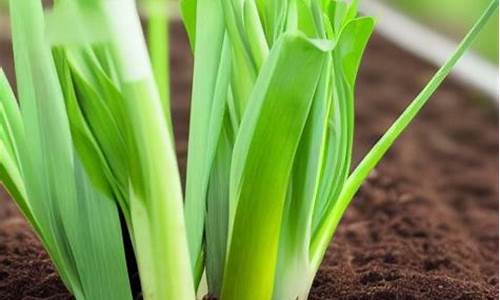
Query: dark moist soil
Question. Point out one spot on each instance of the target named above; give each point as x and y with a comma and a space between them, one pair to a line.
424, 226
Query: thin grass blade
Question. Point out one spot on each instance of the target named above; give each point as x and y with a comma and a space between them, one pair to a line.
331, 220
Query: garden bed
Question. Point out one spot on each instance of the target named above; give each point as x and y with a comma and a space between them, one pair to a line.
424, 226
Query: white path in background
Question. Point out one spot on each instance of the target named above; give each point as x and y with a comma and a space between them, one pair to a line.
433, 47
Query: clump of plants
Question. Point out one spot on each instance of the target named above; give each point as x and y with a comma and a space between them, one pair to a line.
270, 144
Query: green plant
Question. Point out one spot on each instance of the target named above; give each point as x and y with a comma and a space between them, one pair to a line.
274, 165
89, 97
270, 142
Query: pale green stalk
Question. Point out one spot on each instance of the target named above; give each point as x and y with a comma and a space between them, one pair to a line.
155, 191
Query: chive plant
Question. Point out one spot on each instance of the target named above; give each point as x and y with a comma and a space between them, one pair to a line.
270, 144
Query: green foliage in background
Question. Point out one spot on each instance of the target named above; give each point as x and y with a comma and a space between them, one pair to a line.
454, 20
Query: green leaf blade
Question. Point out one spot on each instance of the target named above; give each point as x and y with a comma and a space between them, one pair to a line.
262, 162
347, 55
210, 91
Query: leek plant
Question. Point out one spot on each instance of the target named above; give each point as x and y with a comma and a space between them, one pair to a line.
90, 142
271, 134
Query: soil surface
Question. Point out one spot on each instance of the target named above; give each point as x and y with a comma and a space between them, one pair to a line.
424, 226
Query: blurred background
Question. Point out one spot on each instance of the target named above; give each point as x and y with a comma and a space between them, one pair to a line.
453, 18
450, 17
449, 20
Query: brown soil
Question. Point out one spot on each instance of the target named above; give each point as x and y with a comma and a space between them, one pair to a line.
425, 226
